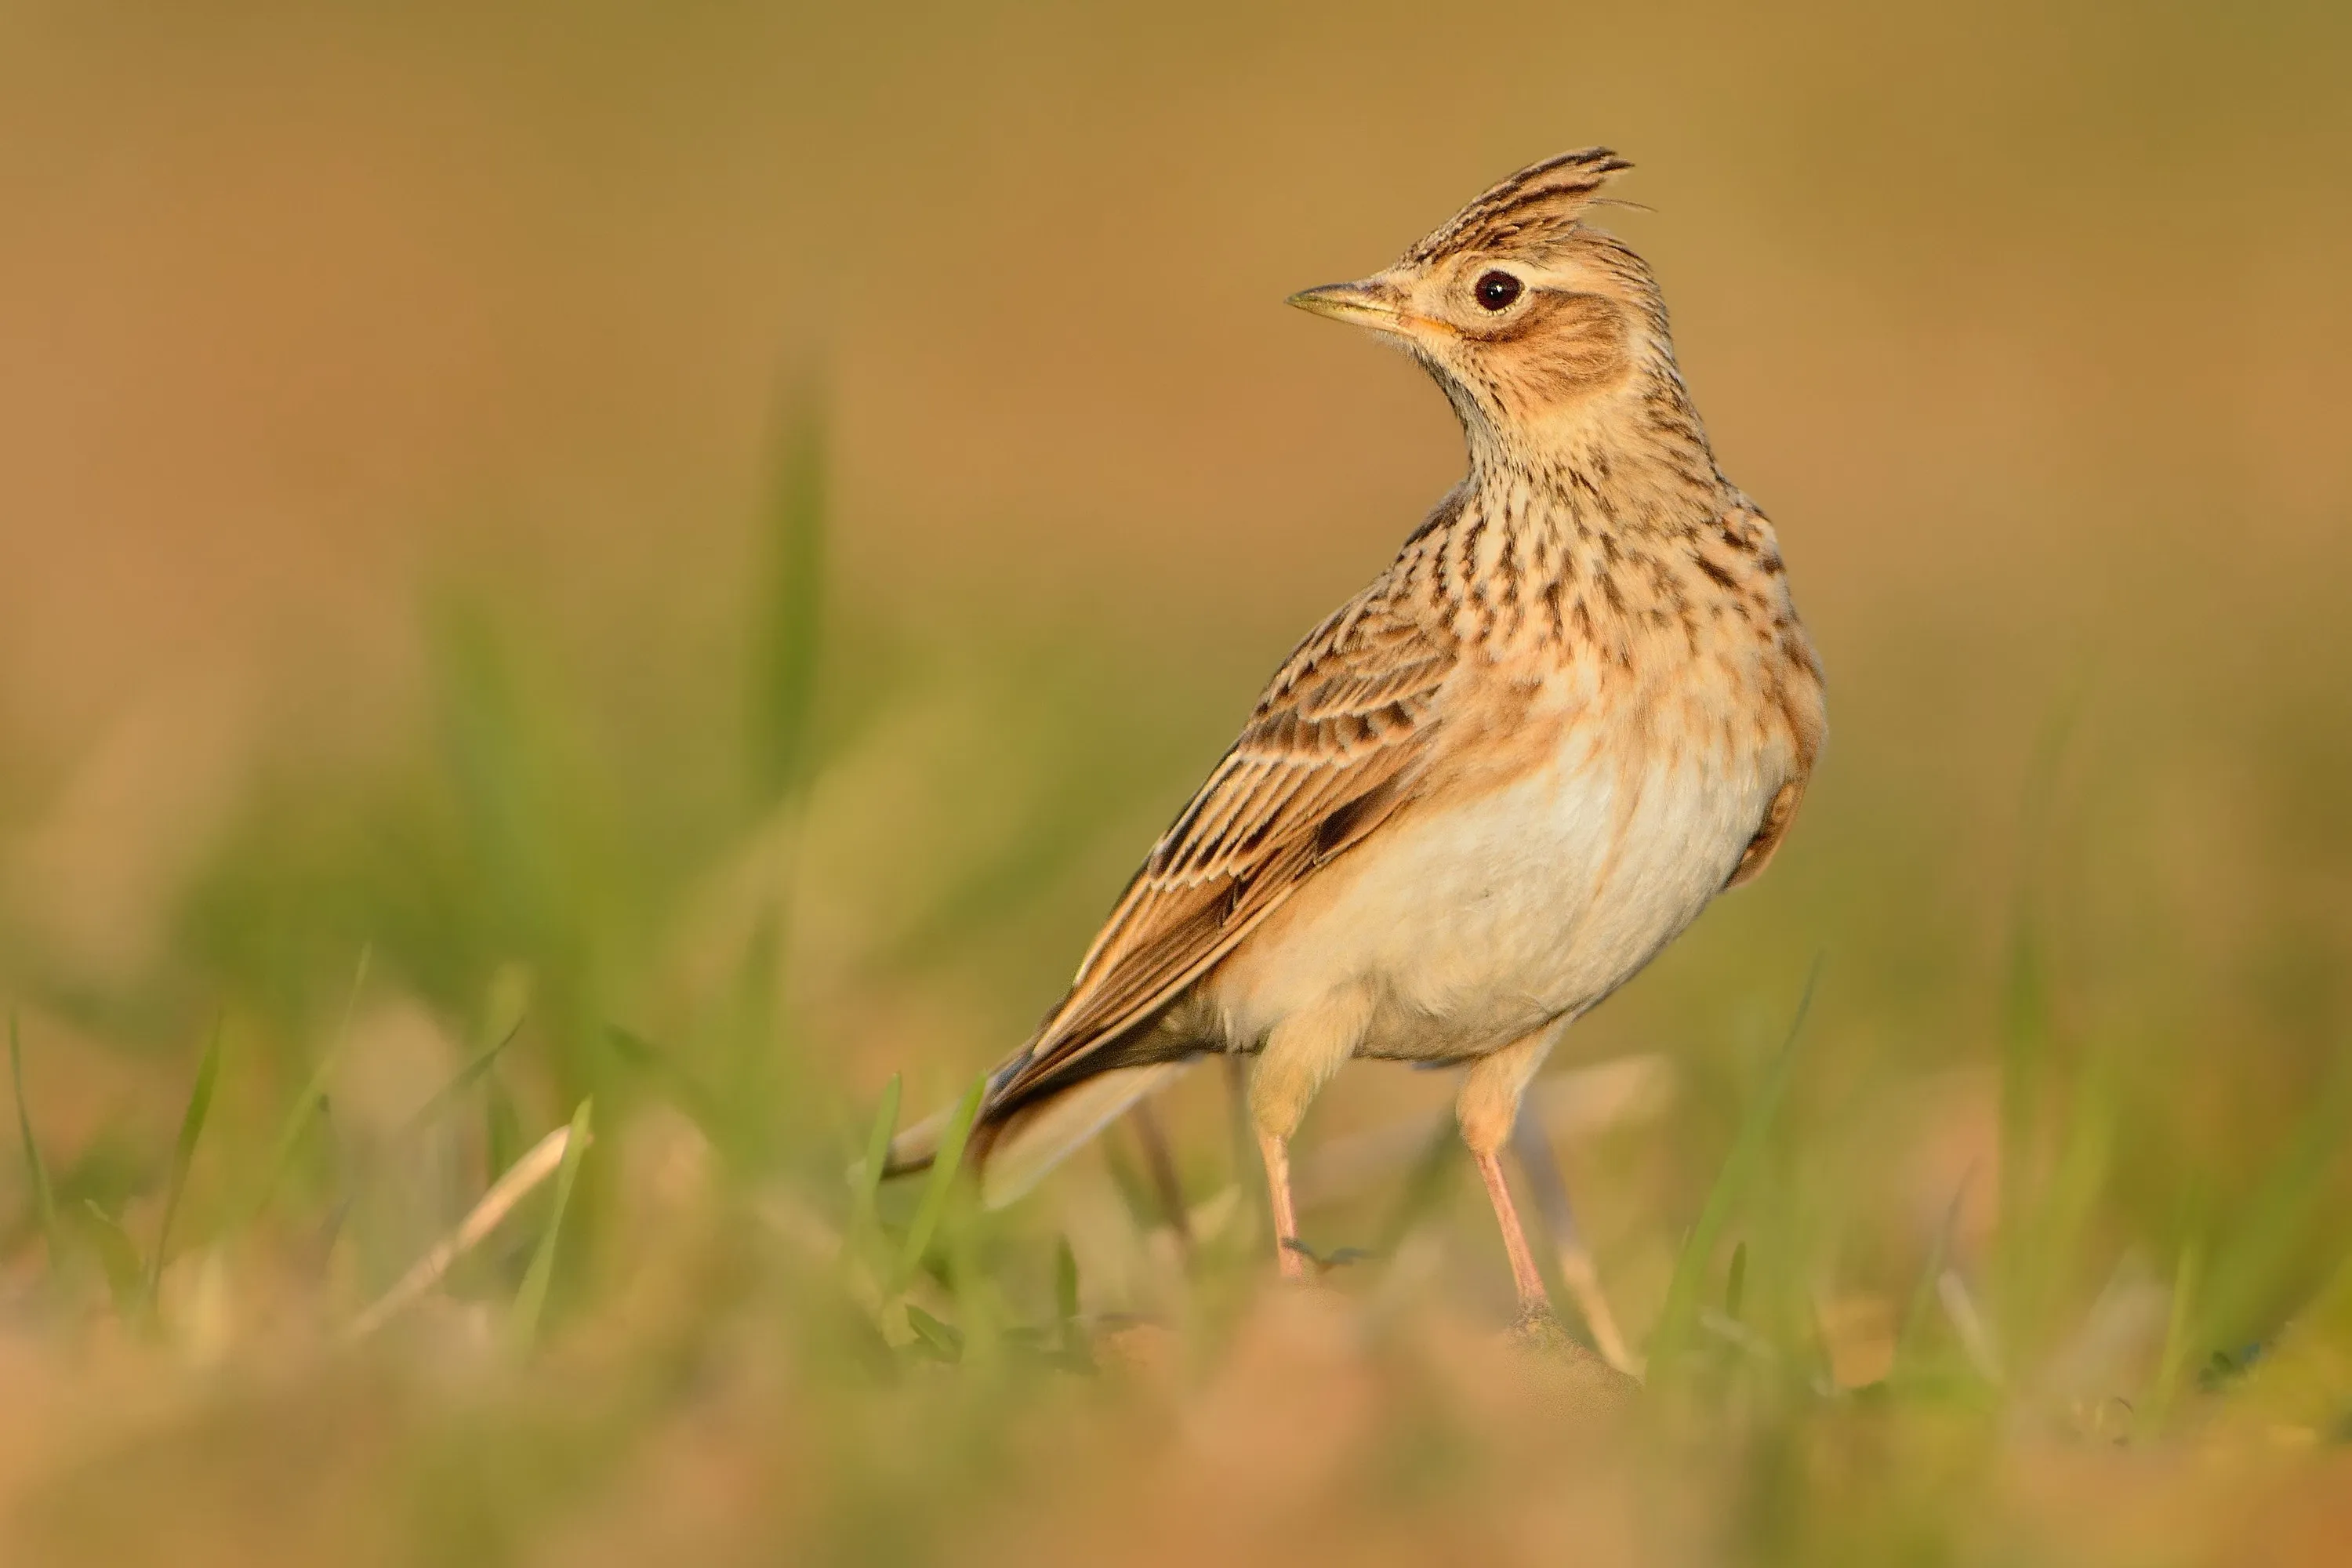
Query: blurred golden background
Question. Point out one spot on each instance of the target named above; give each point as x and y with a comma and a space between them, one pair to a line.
392, 415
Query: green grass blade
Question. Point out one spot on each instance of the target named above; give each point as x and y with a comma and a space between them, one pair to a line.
2179, 1336
502, 1141
870, 1172
503, 1145
118, 1254
680, 1087
314, 1091
2028, 1033
945, 1171
1921, 1310
443, 1097
184, 1156
530, 1301
36, 1172
1679, 1316
1066, 1282
1070, 1336
788, 620
2265, 1240
942, 1341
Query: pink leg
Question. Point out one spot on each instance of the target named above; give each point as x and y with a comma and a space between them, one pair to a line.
1276, 1154
1533, 1299
1491, 1091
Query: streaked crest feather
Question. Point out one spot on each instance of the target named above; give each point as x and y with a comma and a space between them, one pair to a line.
1526, 211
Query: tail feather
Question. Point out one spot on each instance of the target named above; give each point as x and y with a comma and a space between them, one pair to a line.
1014, 1151
1040, 1135
916, 1147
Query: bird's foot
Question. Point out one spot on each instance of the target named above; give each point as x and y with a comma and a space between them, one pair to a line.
1538, 1333
1539, 1328
1322, 1262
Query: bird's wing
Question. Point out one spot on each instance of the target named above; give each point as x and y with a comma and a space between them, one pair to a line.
1338, 740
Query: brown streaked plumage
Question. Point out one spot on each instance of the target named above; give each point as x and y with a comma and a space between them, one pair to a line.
1490, 787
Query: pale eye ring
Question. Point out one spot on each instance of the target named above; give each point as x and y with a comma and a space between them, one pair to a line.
1496, 291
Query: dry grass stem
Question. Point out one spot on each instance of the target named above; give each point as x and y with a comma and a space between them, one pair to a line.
541, 1162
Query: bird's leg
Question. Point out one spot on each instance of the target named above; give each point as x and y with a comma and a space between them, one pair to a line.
1276, 1152
1300, 1056
1534, 1300
1576, 1269
1488, 1106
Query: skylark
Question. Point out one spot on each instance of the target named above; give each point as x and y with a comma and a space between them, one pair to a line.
1493, 785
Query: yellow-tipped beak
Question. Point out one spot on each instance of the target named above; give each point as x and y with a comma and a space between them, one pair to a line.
1367, 304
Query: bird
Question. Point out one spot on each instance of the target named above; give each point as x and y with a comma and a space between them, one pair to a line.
1488, 789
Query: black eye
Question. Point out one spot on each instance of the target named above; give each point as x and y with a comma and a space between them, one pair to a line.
1497, 290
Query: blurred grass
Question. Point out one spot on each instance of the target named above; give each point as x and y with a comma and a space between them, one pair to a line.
746, 1355
2034, 1246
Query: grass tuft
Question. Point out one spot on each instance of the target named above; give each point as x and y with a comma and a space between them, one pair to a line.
867, 1180
1669, 1344
183, 1157
37, 1170
939, 1186
118, 1259
312, 1098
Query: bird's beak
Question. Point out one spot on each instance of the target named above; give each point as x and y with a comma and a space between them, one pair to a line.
1374, 302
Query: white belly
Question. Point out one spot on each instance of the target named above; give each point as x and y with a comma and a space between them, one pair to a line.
1480, 924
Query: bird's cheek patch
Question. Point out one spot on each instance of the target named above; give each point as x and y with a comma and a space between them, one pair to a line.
1569, 345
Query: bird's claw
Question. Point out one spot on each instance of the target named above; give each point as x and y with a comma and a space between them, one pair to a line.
1338, 1257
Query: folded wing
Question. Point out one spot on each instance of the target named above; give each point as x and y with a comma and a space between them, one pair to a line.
1340, 740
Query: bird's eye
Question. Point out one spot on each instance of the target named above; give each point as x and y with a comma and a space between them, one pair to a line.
1496, 291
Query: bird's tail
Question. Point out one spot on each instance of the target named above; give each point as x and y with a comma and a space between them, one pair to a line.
1013, 1150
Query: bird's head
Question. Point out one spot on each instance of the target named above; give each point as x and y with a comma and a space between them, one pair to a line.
1528, 318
